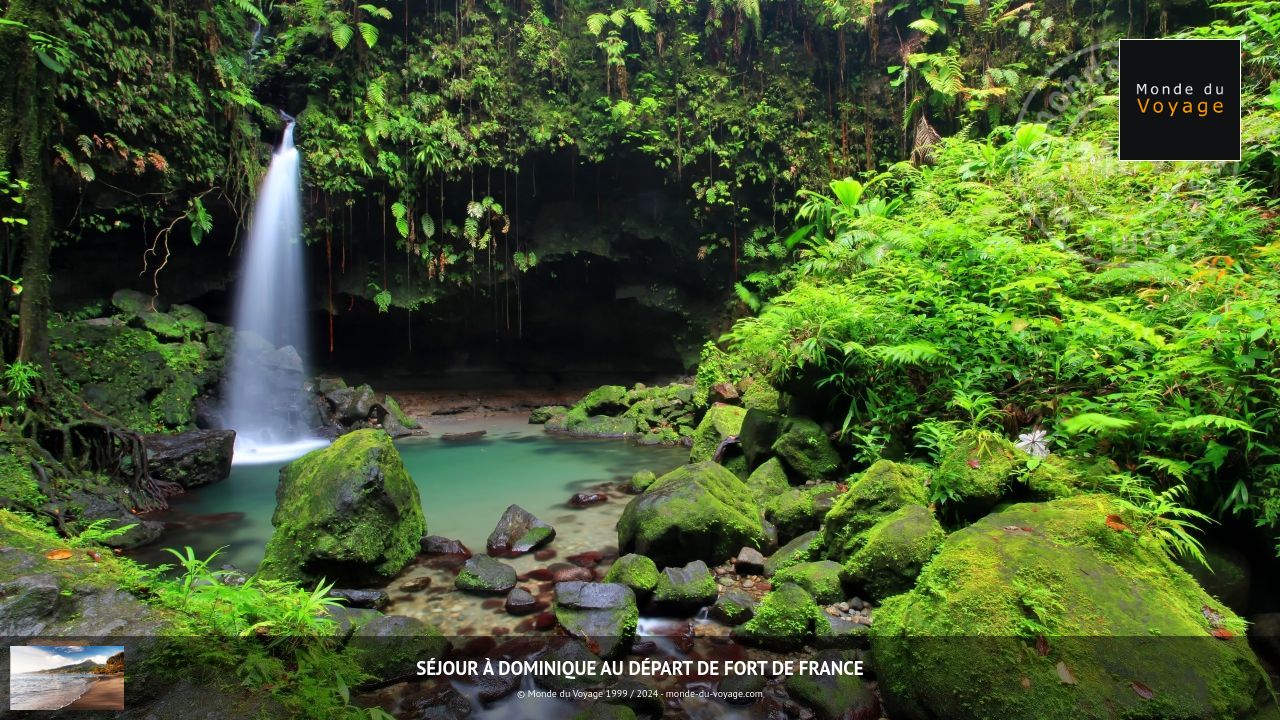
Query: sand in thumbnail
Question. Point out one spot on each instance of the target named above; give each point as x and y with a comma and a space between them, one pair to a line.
104, 694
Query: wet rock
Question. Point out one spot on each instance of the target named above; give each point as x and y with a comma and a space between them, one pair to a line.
443, 704
190, 459
604, 615
683, 590
636, 572
833, 697
749, 562
349, 618
483, 574
439, 545
348, 513
518, 531
720, 423
571, 651
416, 584
27, 604
395, 411
734, 607
352, 404
641, 480
834, 631
541, 415
742, 689
798, 550
521, 602
544, 621
696, 512
389, 647
464, 436
584, 499
493, 687
567, 573
368, 599
94, 507
783, 620
724, 392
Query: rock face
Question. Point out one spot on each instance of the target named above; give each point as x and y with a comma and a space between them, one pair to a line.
483, 574
518, 532
604, 615
894, 550
1129, 633
695, 512
880, 490
190, 459
347, 512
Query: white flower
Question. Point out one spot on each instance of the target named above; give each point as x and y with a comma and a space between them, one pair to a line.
1033, 443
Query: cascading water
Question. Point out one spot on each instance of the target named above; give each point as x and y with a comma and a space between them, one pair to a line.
264, 397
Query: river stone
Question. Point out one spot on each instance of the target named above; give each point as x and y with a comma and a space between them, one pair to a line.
352, 404
833, 697
394, 409
749, 562
518, 532
520, 602
440, 545
364, 599
783, 620
636, 572
822, 579
349, 513
541, 415
734, 607
798, 550
389, 647
1121, 612
685, 589
604, 615
695, 512
190, 459
720, 423
483, 574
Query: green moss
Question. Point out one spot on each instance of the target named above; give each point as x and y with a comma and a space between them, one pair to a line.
692, 585
894, 550
635, 571
348, 507
759, 395
695, 512
806, 450
601, 711
799, 510
390, 647
642, 479
18, 486
784, 619
977, 472
881, 489
1114, 610
542, 414
768, 480
824, 580
832, 697
801, 549
720, 422
399, 414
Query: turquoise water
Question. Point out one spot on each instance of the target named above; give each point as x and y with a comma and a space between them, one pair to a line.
465, 486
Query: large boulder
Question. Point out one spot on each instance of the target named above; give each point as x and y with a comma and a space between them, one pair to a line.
603, 615
719, 424
880, 490
768, 480
783, 620
894, 550
1059, 610
800, 549
348, 512
190, 459
795, 511
518, 531
352, 404
389, 647
824, 580
695, 512
805, 450
979, 471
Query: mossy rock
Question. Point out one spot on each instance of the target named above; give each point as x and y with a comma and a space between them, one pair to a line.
801, 549
734, 607
783, 620
758, 434
824, 580
18, 487
398, 413
132, 302
347, 512
602, 711
483, 575
894, 550
759, 395
604, 615
798, 510
834, 697
695, 512
1127, 633
604, 400
978, 472
1057, 477
687, 588
881, 489
1228, 576
636, 572
599, 426
162, 325
768, 481
806, 450
642, 479
389, 647
720, 422
541, 415
190, 319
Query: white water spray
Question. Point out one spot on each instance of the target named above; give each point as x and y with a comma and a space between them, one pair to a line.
264, 399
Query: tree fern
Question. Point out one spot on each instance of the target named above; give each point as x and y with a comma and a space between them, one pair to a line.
250, 8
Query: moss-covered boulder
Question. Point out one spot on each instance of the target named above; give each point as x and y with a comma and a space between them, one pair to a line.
389, 647
636, 572
346, 513
695, 512
685, 589
758, 434
604, 711
894, 550
542, 414
795, 511
393, 408
1126, 633
603, 615
806, 450
734, 607
759, 395
783, 620
768, 481
978, 471
642, 479
834, 696
484, 575
720, 423
824, 580
604, 400
881, 489
800, 549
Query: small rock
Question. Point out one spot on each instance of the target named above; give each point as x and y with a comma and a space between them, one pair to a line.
570, 574
416, 584
483, 574
439, 545
734, 607
844, 607
749, 562
581, 500
518, 531
464, 436
369, 599
521, 602
857, 603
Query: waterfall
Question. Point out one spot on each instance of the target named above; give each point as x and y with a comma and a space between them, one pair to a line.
264, 398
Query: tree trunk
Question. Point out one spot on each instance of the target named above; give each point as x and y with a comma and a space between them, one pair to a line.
26, 114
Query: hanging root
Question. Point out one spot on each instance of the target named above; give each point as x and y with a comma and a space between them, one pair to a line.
116, 452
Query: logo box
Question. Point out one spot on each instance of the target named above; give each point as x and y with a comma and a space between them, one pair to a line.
1180, 100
